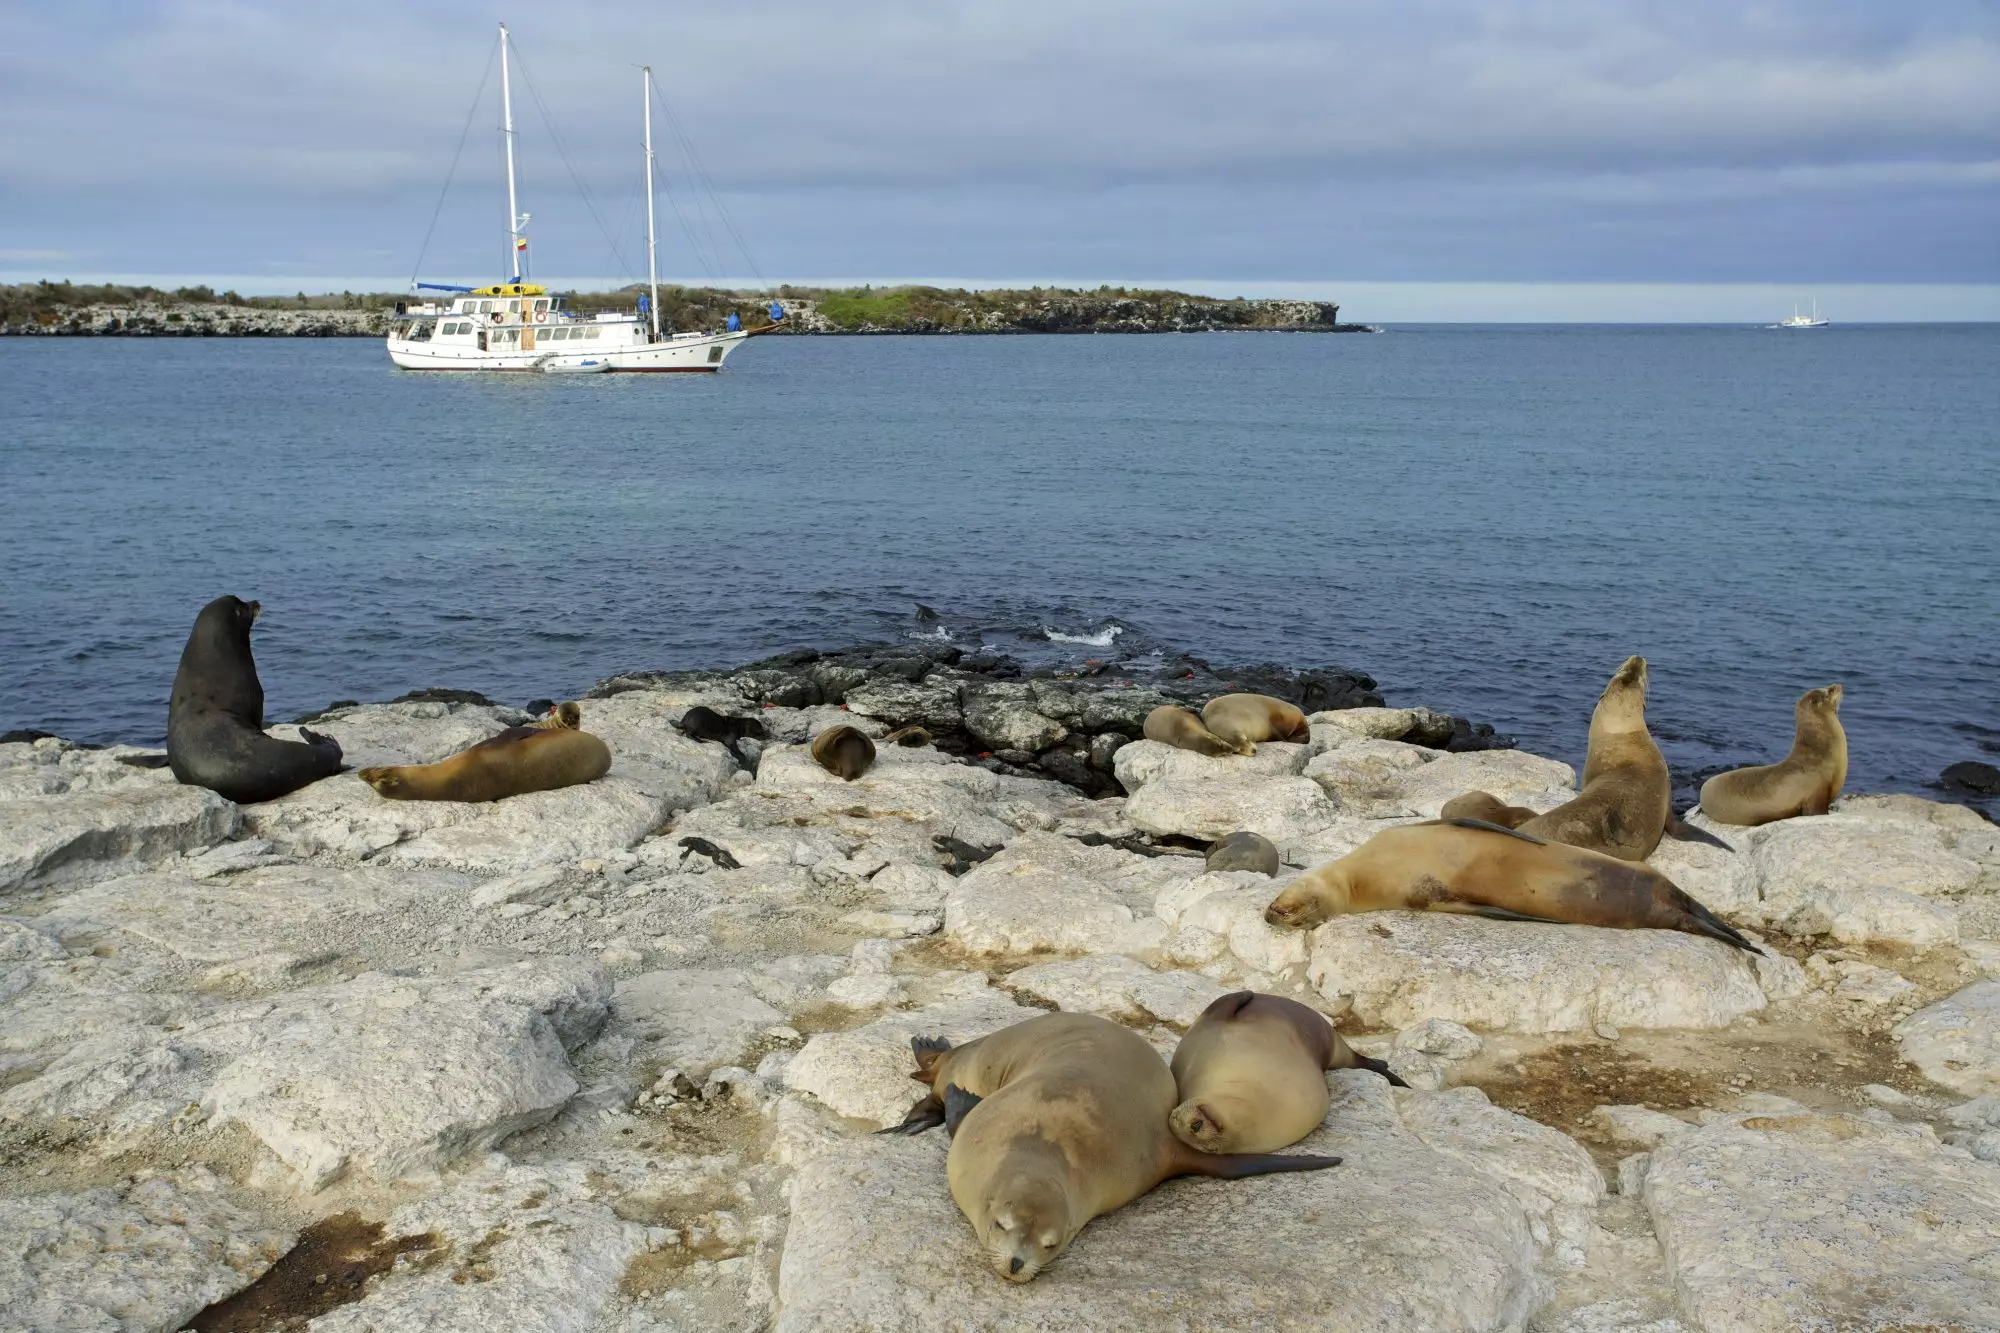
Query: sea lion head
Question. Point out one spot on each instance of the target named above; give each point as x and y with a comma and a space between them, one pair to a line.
1027, 1224
226, 622
1825, 699
1196, 1124
1310, 899
1629, 677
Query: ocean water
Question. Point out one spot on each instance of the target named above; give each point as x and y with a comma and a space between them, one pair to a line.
1487, 519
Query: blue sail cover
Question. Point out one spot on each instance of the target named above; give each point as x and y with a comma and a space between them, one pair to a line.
777, 312
440, 287
735, 322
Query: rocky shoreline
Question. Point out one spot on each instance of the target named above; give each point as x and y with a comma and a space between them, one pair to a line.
606, 1058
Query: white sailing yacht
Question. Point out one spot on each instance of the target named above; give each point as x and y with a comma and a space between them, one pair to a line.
1798, 321
517, 325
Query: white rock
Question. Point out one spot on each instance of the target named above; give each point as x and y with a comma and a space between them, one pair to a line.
1782, 1222
895, 925
867, 991
1237, 915
1343, 726
1860, 877
1863, 983
1399, 968
1001, 717
1366, 772
57, 839
1119, 987
1441, 1037
648, 751
1283, 809
876, 1242
1515, 776
692, 1019
1048, 892
1956, 1042
1637, 1126
417, 732
397, 1076
540, 887
229, 857
148, 1254
1141, 763
865, 1073
912, 888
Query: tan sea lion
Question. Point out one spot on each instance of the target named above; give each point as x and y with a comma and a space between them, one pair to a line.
1182, 728
563, 717
912, 737
517, 761
1249, 718
1251, 1074
1055, 1121
844, 751
1487, 808
1243, 850
1805, 782
1462, 865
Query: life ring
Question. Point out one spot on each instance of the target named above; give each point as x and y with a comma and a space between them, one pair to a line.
541, 317
499, 317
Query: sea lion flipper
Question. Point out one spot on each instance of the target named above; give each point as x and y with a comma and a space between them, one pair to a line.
957, 1104
1686, 832
1709, 924
926, 1114
1236, 1166
1500, 913
1381, 1067
927, 1050
1491, 827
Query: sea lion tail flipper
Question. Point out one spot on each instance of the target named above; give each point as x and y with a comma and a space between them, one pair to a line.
928, 1050
926, 1114
144, 760
319, 742
1381, 1067
1492, 827
1705, 922
1237, 1165
957, 1104
1686, 832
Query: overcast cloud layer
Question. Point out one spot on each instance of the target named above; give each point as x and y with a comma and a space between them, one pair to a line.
1804, 143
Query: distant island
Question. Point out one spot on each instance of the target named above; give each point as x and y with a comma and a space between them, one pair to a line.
84, 310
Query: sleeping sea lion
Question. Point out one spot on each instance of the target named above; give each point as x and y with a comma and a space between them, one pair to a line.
1462, 865
1055, 1121
703, 723
215, 718
1251, 1074
1182, 728
912, 737
1249, 718
541, 757
1487, 808
1805, 782
843, 751
1243, 850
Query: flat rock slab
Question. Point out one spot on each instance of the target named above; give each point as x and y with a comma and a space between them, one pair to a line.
1139, 763
421, 731
267, 909
52, 767
63, 838
1787, 1221
1048, 892
343, 818
1400, 968
865, 1072
1283, 809
1399, 1237
651, 753
149, 1255
1120, 988
395, 1076
1515, 776
690, 1019
1956, 1042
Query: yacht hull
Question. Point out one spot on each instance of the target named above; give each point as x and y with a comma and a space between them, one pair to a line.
693, 353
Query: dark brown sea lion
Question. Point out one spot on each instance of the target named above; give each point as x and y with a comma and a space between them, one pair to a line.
1804, 782
1251, 1074
843, 751
1462, 865
1249, 718
1243, 850
703, 723
215, 720
912, 737
1055, 1121
542, 757
1487, 808
1182, 728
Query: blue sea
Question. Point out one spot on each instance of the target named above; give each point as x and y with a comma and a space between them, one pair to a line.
1487, 519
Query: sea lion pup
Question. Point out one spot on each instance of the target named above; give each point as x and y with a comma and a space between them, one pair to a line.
1487, 808
1182, 728
1055, 1121
1462, 865
1251, 1074
215, 717
703, 723
911, 737
1249, 718
843, 751
539, 757
1805, 782
1243, 850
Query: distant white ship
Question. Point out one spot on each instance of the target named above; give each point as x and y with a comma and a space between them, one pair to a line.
1799, 321
517, 325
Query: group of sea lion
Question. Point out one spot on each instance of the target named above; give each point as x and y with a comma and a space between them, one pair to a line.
1227, 724
1064, 1118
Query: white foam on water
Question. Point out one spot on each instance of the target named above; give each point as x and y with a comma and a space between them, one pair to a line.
1101, 639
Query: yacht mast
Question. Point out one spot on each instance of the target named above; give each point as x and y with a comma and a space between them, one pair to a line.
507, 137
652, 263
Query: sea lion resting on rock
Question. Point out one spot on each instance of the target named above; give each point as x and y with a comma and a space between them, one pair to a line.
1243, 850
542, 756
1805, 782
1055, 1121
1626, 802
1249, 718
844, 751
703, 723
1182, 728
215, 719
1462, 865
1251, 1074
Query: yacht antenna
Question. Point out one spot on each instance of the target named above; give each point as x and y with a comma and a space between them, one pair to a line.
652, 263
515, 245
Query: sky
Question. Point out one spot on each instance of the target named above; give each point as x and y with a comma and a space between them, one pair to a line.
1413, 159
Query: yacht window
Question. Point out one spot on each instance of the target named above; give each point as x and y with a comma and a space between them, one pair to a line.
422, 333
541, 306
714, 355
590, 333
485, 307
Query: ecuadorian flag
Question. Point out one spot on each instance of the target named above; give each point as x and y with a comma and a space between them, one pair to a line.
521, 243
